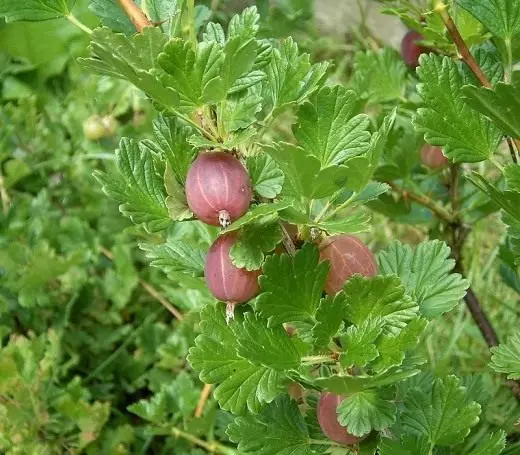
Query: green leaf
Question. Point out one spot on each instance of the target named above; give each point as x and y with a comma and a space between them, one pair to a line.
328, 128
255, 240
138, 187
240, 111
245, 24
303, 173
176, 203
501, 105
506, 357
363, 412
490, 61
509, 201
442, 413
257, 213
446, 120
492, 444
290, 76
329, 317
170, 142
292, 286
112, 16
267, 346
354, 223
132, 59
425, 273
409, 445
266, 176
392, 348
193, 73
381, 296
278, 430
500, 17
243, 387
359, 343
239, 57
34, 10
379, 76
175, 256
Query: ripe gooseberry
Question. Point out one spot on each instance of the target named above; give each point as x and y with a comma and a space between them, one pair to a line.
218, 189
347, 255
328, 420
410, 50
225, 281
432, 156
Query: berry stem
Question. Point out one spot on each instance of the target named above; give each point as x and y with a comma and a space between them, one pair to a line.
442, 9
287, 241
74, 20
315, 359
204, 395
425, 201
211, 447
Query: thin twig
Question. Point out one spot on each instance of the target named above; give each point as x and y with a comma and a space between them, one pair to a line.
512, 149
441, 8
481, 319
287, 241
424, 200
204, 395
152, 291
211, 447
135, 14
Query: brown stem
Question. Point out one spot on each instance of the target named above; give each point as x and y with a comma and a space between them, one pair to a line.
425, 201
204, 395
136, 15
464, 52
287, 241
481, 319
152, 291
510, 142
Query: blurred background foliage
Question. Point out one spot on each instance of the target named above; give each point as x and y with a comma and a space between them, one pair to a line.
90, 360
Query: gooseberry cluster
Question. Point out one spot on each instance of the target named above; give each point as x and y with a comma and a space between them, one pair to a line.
218, 192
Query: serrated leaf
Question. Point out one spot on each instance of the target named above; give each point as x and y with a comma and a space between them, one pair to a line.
34, 10
500, 17
381, 296
408, 445
138, 188
363, 412
290, 76
131, 59
506, 357
278, 430
292, 286
257, 213
239, 111
243, 387
255, 240
353, 224
176, 203
328, 127
392, 348
194, 73
239, 56
442, 413
379, 76
245, 24
175, 256
266, 177
492, 444
343, 384
501, 105
170, 142
267, 346
112, 16
329, 317
358, 343
303, 173
446, 120
425, 273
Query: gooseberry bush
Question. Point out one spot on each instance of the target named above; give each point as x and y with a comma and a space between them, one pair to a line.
263, 183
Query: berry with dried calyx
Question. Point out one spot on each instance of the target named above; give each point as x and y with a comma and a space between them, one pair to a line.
225, 281
218, 188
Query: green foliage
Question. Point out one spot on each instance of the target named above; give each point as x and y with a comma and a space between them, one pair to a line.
446, 120
506, 357
35, 10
